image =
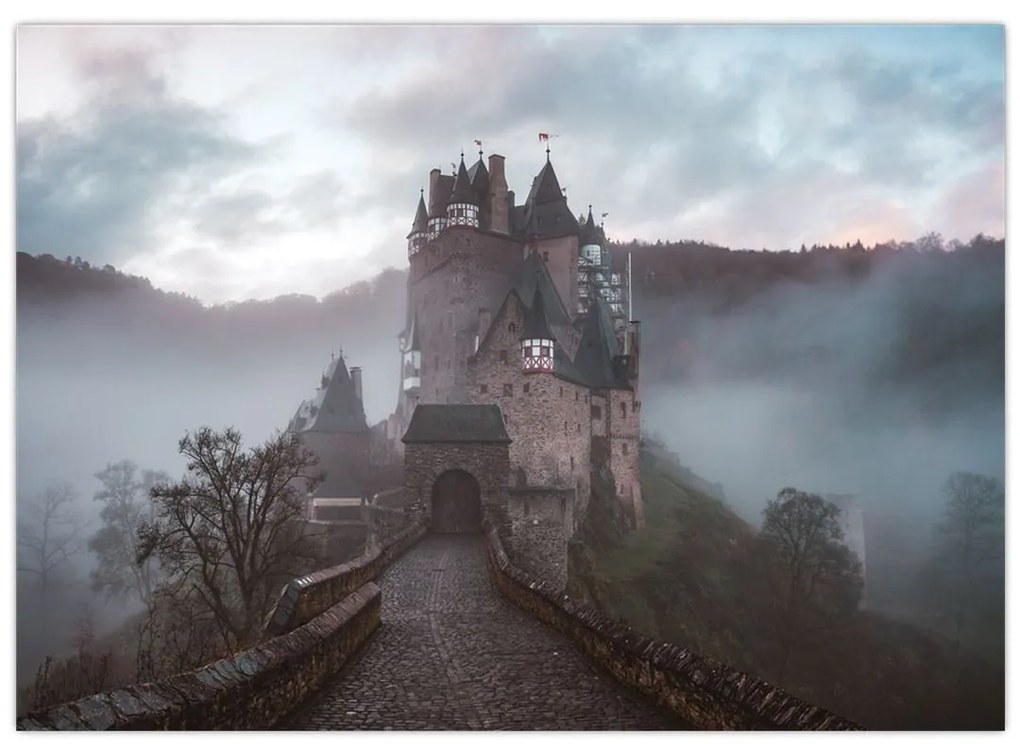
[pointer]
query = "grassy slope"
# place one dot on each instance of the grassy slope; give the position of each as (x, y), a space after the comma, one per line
(679, 580)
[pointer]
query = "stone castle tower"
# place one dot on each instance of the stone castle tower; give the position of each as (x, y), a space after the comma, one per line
(517, 338)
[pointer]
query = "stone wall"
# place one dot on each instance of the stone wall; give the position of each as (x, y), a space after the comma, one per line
(252, 690)
(450, 280)
(708, 694)
(305, 598)
(541, 522)
(622, 420)
(548, 418)
(560, 255)
(487, 462)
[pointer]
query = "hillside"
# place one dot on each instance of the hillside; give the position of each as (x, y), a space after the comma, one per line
(687, 578)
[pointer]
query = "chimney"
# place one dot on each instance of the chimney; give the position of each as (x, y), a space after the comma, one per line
(499, 209)
(356, 379)
(433, 182)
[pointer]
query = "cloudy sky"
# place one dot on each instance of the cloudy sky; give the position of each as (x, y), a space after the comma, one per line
(246, 162)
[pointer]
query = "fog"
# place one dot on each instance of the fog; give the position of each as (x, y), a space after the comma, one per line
(879, 388)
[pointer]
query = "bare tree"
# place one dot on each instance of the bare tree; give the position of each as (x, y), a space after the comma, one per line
(965, 575)
(125, 506)
(813, 581)
(48, 534)
(229, 534)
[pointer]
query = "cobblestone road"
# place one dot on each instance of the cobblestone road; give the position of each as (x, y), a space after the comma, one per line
(453, 654)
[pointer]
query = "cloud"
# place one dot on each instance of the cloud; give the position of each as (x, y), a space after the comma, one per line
(92, 184)
(743, 136)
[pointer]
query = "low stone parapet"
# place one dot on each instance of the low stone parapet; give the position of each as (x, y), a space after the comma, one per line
(252, 690)
(706, 693)
(305, 598)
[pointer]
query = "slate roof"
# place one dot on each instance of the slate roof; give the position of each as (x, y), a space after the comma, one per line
(594, 358)
(590, 231)
(535, 323)
(478, 175)
(335, 407)
(462, 192)
(421, 217)
(478, 424)
(545, 213)
(533, 275)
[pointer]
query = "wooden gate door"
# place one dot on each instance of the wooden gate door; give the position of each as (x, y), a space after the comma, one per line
(456, 503)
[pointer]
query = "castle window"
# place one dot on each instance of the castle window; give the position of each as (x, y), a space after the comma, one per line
(561, 391)
(513, 328)
(502, 356)
(527, 387)
(508, 389)
(571, 463)
(545, 256)
(483, 389)
(623, 409)
(596, 412)
(633, 406)
(577, 395)
(564, 427)
(625, 448)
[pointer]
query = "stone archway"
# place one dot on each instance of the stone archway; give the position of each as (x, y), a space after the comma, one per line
(456, 503)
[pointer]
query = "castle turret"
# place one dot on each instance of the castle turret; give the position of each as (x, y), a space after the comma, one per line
(462, 209)
(537, 345)
(418, 237)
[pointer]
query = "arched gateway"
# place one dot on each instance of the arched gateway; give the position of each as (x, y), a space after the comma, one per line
(456, 503)
(457, 464)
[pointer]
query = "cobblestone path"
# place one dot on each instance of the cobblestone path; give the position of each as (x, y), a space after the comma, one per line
(453, 654)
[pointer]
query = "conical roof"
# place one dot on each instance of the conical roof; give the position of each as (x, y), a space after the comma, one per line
(462, 192)
(598, 348)
(546, 187)
(535, 324)
(590, 231)
(421, 217)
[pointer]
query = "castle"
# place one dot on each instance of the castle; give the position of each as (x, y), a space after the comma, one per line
(519, 306)
(519, 371)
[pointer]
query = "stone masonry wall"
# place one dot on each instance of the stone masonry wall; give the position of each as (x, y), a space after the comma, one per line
(309, 596)
(251, 690)
(561, 260)
(488, 463)
(541, 521)
(623, 426)
(708, 694)
(548, 418)
(450, 280)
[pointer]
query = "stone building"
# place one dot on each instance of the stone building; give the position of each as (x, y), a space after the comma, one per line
(517, 308)
(332, 425)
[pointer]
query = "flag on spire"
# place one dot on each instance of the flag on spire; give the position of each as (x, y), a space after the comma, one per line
(543, 137)
(478, 142)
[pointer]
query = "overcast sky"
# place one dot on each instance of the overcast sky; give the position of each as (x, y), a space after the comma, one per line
(246, 162)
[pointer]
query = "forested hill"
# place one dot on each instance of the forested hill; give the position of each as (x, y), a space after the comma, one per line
(921, 315)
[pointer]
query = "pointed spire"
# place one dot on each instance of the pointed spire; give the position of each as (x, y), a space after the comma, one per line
(546, 187)
(421, 217)
(462, 192)
(590, 231)
(536, 325)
